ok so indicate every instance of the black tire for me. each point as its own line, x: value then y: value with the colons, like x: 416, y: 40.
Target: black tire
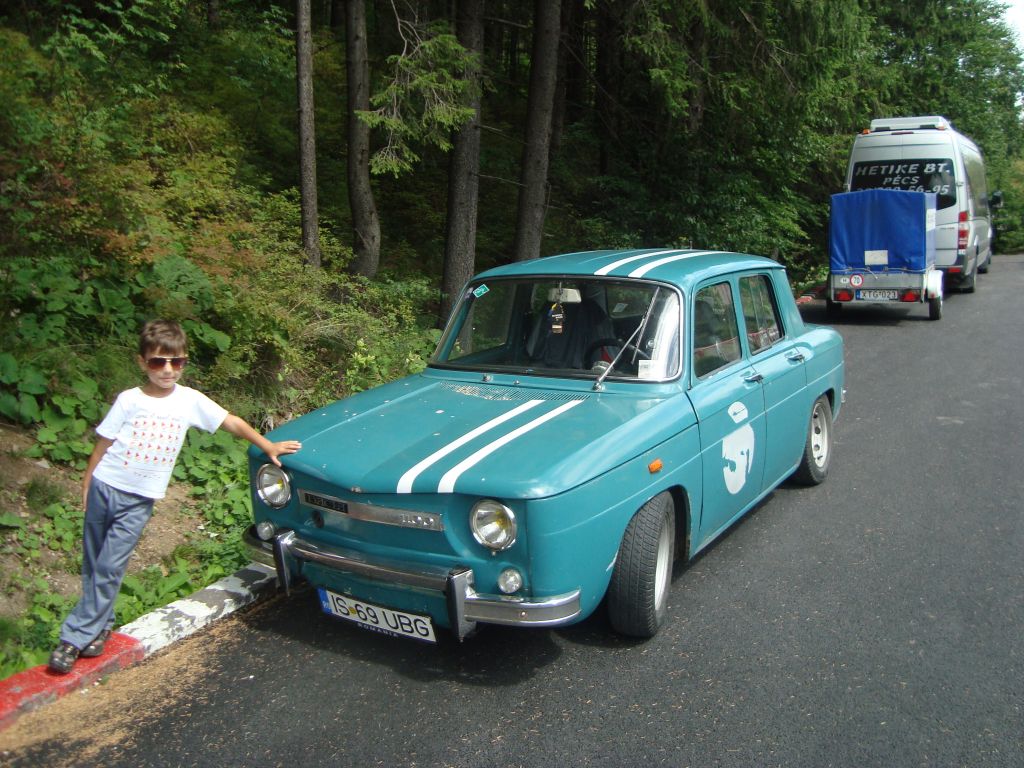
x: 935, y: 308
x: 817, y: 456
x: 638, y: 593
x: 967, y: 284
x: 832, y: 308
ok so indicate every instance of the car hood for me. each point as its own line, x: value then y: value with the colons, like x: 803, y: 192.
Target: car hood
x: 428, y: 435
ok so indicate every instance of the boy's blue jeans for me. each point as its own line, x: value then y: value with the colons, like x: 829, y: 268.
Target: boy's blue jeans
x: 113, y: 524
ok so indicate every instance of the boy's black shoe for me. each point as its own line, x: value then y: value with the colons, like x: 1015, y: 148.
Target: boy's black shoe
x: 63, y: 658
x: 95, y: 648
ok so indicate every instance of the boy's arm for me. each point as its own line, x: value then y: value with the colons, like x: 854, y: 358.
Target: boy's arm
x: 101, y: 447
x: 240, y: 428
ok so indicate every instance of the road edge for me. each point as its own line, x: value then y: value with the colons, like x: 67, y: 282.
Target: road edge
x: 137, y: 640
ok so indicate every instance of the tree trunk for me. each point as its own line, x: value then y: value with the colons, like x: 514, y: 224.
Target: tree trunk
x: 307, y: 134
x: 603, y: 103
x: 463, y: 173
x: 213, y: 14
x: 365, y: 222
x: 540, y: 104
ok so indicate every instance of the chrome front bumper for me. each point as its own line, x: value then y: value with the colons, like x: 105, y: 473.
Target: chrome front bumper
x: 466, y: 606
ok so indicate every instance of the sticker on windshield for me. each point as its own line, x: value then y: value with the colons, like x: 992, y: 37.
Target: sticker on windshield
x: 480, y: 290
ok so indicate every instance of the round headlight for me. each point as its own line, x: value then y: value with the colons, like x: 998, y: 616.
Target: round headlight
x: 273, y: 486
x: 493, y: 524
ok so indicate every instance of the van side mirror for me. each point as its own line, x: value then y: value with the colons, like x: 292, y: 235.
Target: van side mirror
x: 995, y: 200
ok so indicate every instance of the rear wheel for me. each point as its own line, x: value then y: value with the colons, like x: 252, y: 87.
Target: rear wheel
x: 935, y: 308
x: 638, y: 593
x: 968, y: 282
x: 817, y: 456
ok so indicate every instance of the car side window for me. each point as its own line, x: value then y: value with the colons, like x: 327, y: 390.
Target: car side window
x: 716, y: 340
x: 759, y: 312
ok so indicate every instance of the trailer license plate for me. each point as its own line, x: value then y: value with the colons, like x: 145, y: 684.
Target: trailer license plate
x: 878, y: 295
x: 377, y: 618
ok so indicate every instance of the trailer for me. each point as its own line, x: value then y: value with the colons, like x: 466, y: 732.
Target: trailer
x: 882, y: 250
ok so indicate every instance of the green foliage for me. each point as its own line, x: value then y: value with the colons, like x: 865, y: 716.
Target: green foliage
x: 424, y: 100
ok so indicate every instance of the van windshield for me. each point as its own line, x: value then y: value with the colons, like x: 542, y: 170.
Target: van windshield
x: 926, y: 175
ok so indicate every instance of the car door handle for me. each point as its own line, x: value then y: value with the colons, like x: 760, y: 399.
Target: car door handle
x: 795, y: 356
x: 753, y: 377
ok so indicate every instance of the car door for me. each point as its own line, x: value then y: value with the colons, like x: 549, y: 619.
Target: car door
x: 727, y: 395
x: 778, y: 358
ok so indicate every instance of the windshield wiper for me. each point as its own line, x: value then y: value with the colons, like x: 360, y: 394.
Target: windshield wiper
x: 599, y: 384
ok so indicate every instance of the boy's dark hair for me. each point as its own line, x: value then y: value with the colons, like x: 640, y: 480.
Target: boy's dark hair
x: 162, y: 335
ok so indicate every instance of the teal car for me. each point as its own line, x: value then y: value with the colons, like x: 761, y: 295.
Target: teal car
x: 585, y: 420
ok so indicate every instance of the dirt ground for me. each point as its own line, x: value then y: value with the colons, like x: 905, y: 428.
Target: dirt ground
x: 172, y: 524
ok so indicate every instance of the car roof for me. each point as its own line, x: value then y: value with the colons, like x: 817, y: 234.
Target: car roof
x: 681, y: 266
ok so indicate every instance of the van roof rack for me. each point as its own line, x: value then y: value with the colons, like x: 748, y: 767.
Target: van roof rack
x: 931, y: 122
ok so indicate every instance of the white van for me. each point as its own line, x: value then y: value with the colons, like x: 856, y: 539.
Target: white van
x: 925, y: 154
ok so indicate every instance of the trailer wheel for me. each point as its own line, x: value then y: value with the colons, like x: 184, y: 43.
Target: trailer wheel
x: 935, y: 308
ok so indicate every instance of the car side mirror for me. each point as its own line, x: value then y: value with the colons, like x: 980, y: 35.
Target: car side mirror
x: 995, y: 200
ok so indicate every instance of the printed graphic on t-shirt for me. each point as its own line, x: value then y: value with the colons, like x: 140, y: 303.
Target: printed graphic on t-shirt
x: 155, y: 441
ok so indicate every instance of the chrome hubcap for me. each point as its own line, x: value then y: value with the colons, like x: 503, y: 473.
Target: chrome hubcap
x: 819, y: 436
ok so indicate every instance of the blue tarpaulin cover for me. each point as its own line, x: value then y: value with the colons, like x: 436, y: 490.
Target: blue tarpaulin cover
x: 882, y: 230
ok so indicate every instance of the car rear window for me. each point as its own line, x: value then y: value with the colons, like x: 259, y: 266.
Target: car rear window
x: 928, y: 175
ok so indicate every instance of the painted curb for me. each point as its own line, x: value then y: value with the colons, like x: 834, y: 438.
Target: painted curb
x: 137, y: 640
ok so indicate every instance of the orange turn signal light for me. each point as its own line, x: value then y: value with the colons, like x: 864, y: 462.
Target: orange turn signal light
x: 655, y: 466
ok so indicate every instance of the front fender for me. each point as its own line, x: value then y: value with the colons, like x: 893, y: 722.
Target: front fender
x: 574, y: 537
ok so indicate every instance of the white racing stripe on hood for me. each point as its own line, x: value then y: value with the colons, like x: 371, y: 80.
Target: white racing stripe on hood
x: 616, y: 264
x: 667, y: 260
x: 447, y: 484
x: 406, y: 481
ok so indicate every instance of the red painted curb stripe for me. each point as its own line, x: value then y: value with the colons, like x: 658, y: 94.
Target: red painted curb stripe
x: 34, y: 687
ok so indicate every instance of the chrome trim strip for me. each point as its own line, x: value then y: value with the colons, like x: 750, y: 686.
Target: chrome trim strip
x: 466, y: 606
x: 372, y: 513
x: 447, y: 484
x: 405, y: 481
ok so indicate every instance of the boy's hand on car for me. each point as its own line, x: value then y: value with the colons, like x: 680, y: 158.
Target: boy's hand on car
x: 285, y: 446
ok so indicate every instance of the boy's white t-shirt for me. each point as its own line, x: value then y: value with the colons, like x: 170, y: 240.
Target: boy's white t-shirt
x: 148, y: 433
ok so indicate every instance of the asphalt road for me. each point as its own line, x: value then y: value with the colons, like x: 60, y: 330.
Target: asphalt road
x: 876, y: 620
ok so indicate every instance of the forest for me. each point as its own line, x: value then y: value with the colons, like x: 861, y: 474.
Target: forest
x: 307, y: 185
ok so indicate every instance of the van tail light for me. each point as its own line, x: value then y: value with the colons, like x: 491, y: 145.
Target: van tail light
x: 961, y: 232
x: 910, y: 296
x: 843, y: 295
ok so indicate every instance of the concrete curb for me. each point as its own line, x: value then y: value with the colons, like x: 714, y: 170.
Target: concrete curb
x: 137, y: 640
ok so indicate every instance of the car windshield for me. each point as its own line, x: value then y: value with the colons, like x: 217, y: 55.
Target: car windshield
x: 569, y: 326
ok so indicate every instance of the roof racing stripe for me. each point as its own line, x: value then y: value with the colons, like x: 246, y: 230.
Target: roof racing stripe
x: 616, y: 264
x: 447, y: 484
x: 641, y: 271
x: 406, y: 481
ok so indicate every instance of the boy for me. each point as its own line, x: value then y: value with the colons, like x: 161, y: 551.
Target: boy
x: 136, y: 447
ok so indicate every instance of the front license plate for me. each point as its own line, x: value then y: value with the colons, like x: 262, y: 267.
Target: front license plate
x: 878, y: 295
x: 377, y: 618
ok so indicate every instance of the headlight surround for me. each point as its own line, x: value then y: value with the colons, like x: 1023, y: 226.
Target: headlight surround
x: 273, y: 486
x: 493, y: 524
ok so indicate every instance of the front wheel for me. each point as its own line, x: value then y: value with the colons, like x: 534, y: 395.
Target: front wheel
x: 638, y: 593
x: 817, y: 456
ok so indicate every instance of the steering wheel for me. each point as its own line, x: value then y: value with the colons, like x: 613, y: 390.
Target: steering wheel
x: 609, y: 341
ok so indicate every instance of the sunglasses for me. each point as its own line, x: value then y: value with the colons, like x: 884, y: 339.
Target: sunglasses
x: 159, y: 363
